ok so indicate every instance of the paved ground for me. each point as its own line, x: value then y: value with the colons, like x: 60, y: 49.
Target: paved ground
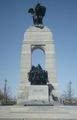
x: 38, y: 112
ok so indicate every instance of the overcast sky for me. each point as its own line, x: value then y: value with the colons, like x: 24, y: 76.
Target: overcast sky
x: 61, y: 18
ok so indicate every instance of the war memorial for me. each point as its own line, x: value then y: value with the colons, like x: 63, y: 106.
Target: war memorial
x: 38, y: 97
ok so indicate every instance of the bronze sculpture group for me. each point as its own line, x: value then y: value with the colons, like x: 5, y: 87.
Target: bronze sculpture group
x: 38, y: 76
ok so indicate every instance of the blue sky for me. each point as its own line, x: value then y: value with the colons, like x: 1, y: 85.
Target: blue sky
x: 61, y: 18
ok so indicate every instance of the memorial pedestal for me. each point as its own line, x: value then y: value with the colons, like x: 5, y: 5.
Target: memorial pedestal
x: 38, y: 93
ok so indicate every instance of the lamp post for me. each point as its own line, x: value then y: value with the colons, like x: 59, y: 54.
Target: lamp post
x: 5, y: 91
x: 70, y: 91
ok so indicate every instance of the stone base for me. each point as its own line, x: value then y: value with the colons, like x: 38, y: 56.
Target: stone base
x: 36, y: 95
x: 38, y: 113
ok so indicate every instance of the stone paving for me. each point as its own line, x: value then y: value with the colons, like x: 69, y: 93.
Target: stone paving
x: 38, y: 113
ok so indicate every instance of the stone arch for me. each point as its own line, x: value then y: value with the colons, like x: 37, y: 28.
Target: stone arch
x: 38, y: 49
x: 36, y: 38
x: 33, y: 47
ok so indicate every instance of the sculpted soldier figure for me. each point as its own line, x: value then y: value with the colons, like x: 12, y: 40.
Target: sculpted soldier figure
x: 37, y: 13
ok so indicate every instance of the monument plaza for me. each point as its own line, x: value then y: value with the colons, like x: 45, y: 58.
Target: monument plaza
x: 38, y: 88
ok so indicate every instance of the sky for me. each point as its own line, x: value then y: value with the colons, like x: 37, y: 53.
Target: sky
x: 61, y: 18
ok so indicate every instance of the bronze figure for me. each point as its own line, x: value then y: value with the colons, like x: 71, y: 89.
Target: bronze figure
x: 37, y: 13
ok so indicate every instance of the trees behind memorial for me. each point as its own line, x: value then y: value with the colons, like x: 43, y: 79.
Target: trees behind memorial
x: 6, y: 100
x: 5, y: 96
x: 68, y: 96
